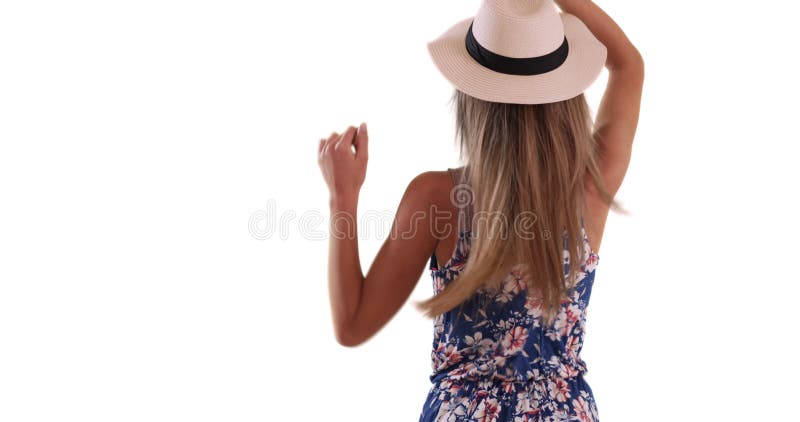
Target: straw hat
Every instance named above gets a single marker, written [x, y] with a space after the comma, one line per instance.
[519, 51]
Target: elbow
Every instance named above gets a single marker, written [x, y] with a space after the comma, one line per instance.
[637, 63]
[345, 340]
[346, 337]
[635, 57]
[631, 63]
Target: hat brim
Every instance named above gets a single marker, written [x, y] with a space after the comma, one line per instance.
[585, 61]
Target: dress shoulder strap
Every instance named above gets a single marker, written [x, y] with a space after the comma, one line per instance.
[461, 196]
[457, 174]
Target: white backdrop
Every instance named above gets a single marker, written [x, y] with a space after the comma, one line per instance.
[139, 139]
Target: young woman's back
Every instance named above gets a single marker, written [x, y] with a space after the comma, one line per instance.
[509, 303]
[495, 359]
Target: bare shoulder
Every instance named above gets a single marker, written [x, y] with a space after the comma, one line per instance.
[429, 187]
[427, 201]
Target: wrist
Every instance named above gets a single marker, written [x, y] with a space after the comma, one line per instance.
[343, 201]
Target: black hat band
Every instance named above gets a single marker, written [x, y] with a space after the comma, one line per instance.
[513, 65]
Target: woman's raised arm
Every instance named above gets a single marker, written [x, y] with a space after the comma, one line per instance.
[618, 113]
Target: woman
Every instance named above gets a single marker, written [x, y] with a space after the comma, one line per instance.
[508, 308]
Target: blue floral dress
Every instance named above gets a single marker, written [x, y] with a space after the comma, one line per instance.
[502, 364]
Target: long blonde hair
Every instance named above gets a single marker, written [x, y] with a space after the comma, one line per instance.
[525, 165]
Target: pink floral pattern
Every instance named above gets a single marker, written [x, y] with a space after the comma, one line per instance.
[502, 364]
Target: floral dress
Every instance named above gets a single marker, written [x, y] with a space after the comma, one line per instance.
[502, 364]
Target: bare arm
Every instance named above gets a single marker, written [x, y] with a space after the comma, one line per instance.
[398, 265]
[344, 173]
[362, 305]
[618, 113]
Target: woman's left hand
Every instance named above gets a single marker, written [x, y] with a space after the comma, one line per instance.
[343, 168]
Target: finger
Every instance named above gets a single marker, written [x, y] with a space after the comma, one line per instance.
[344, 142]
[323, 144]
[362, 141]
[329, 142]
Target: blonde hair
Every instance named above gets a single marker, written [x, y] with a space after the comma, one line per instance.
[526, 165]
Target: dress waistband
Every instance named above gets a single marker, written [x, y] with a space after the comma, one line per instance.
[516, 368]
